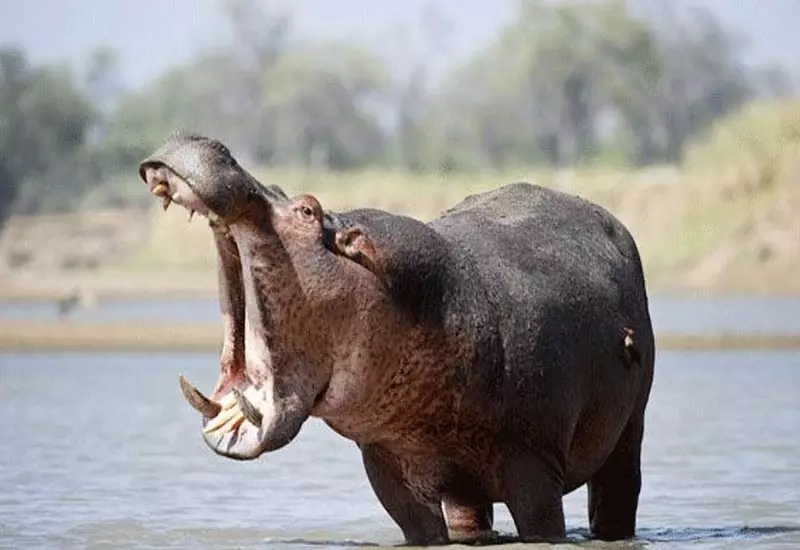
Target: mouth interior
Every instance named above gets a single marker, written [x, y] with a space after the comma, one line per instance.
[170, 187]
[236, 409]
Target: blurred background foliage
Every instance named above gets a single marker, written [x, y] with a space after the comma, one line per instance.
[572, 84]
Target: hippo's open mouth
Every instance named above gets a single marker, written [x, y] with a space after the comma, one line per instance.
[164, 183]
[230, 414]
[249, 412]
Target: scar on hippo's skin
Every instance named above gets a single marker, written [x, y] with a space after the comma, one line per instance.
[632, 354]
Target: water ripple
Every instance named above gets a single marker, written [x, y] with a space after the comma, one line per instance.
[101, 451]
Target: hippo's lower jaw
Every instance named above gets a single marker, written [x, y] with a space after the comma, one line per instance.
[245, 424]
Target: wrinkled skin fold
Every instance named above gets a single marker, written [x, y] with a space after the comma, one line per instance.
[500, 353]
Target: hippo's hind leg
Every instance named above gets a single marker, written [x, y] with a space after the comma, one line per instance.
[614, 488]
[422, 522]
[533, 493]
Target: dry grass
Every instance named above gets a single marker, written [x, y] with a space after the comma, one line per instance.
[724, 222]
[175, 242]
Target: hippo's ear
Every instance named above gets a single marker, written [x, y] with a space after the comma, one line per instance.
[354, 244]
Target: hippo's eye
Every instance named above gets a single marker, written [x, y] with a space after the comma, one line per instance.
[307, 211]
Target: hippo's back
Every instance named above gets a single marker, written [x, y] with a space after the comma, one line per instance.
[561, 274]
[526, 234]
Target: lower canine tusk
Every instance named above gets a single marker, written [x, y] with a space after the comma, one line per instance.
[248, 409]
[197, 400]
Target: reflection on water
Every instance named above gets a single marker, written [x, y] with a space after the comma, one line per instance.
[100, 450]
[670, 313]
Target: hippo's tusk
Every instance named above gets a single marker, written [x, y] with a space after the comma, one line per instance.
[167, 200]
[249, 411]
[226, 421]
[161, 189]
[198, 401]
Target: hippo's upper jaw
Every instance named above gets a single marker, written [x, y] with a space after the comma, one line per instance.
[258, 404]
[201, 175]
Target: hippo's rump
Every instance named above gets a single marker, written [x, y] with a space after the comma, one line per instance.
[553, 266]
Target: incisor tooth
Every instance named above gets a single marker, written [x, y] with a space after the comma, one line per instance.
[223, 418]
[166, 201]
[232, 424]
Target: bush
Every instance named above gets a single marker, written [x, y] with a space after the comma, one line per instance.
[756, 149]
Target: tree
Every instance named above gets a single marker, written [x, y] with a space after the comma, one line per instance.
[191, 98]
[541, 90]
[565, 83]
[412, 89]
[702, 77]
[44, 118]
[258, 36]
[321, 100]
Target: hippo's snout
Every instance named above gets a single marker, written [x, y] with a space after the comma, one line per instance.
[199, 174]
[169, 187]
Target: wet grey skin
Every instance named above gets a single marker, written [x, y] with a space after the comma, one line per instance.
[502, 353]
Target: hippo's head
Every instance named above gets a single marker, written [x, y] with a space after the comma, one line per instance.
[298, 292]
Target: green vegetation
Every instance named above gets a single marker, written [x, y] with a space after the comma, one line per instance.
[648, 110]
[711, 225]
[572, 84]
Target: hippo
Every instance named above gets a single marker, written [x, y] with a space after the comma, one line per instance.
[501, 353]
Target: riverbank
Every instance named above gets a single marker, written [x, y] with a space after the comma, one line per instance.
[723, 222]
[18, 335]
[689, 242]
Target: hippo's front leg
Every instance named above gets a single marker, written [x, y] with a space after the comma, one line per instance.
[469, 522]
[422, 523]
[232, 306]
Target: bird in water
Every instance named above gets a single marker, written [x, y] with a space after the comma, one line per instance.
[80, 298]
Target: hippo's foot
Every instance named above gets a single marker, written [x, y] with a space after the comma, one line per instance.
[614, 489]
[422, 521]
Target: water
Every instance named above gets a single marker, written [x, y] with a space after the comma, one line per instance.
[670, 313]
[100, 451]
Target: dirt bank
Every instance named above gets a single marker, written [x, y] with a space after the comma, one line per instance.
[726, 222]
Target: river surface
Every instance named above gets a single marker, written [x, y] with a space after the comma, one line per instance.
[100, 451]
[695, 315]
